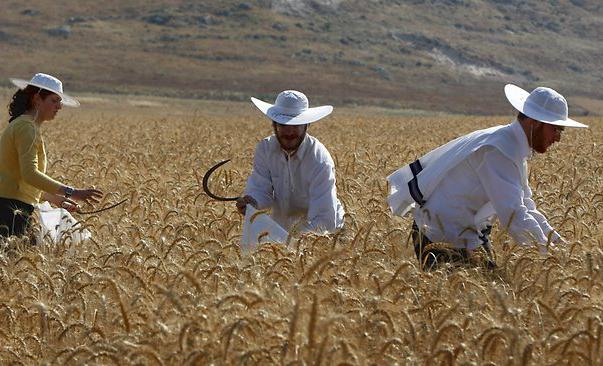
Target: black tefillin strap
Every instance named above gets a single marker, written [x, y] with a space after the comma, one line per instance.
[413, 185]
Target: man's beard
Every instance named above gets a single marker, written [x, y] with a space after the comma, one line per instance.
[281, 142]
[284, 143]
[538, 143]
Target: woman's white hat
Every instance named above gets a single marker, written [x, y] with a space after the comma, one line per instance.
[49, 83]
[542, 104]
[292, 108]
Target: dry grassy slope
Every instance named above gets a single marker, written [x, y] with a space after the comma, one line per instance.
[445, 55]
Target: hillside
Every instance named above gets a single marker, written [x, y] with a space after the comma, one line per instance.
[450, 55]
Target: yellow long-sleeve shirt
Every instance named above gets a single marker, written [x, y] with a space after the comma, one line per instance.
[23, 162]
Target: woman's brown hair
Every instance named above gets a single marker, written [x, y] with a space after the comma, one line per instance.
[23, 99]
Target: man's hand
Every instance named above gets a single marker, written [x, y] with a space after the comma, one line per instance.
[553, 246]
[242, 202]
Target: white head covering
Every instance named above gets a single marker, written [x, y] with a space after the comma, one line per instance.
[292, 108]
[49, 83]
[542, 104]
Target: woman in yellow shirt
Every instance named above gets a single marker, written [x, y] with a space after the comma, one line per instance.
[23, 179]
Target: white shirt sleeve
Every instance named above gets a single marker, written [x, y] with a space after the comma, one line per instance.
[259, 184]
[322, 209]
[501, 181]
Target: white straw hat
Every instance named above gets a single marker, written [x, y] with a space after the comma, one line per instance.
[49, 83]
[542, 104]
[292, 108]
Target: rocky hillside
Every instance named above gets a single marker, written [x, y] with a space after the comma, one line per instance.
[452, 55]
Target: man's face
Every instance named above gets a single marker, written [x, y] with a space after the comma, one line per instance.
[290, 136]
[544, 135]
[47, 107]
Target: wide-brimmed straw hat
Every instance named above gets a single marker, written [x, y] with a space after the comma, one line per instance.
[50, 83]
[292, 108]
[542, 104]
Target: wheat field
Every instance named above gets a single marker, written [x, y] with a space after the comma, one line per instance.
[163, 281]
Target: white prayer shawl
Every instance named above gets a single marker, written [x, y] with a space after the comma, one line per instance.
[510, 141]
[437, 162]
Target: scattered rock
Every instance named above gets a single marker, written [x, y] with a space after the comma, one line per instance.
[223, 13]
[5, 37]
[63, 31]
[404, 51]
[418, 40]
[356, 63]
[305, 8]
[208, 20]
[575, 68]
[244, 6]
[553, 27]
[30, 12]
[349, 40]
[10, 38]
[280, 27]
[266, 36]
[158, 19]
[382, 72]
[80, 19]
[578, 110]
[172, 37]
[578, 3]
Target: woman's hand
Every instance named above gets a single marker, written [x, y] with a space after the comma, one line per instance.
[88, 196]
[70, 205]
[60, 201]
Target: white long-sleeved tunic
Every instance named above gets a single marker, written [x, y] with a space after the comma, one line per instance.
[485, 177]
[300, 186]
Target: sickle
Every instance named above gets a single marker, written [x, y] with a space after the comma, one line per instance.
[206, 179]
[102, 209]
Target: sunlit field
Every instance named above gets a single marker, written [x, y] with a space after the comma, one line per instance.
[163, 280]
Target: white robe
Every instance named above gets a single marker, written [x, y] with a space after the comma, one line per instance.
[300, 189]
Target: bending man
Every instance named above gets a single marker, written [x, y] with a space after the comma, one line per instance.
[293, 173]
[458, 188]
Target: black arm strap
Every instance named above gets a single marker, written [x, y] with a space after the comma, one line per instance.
[413, 185]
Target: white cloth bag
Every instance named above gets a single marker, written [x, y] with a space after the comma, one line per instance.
[56, 222]
[259, 228]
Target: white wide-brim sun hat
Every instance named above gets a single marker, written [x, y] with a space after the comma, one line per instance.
[50, 83]
[292, 108]
[542, 104]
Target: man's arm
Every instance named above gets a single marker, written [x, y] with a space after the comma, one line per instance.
[501, 181]
[322, 208]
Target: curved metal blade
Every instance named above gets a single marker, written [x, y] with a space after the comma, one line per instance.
[206, 180]
[102, 209]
